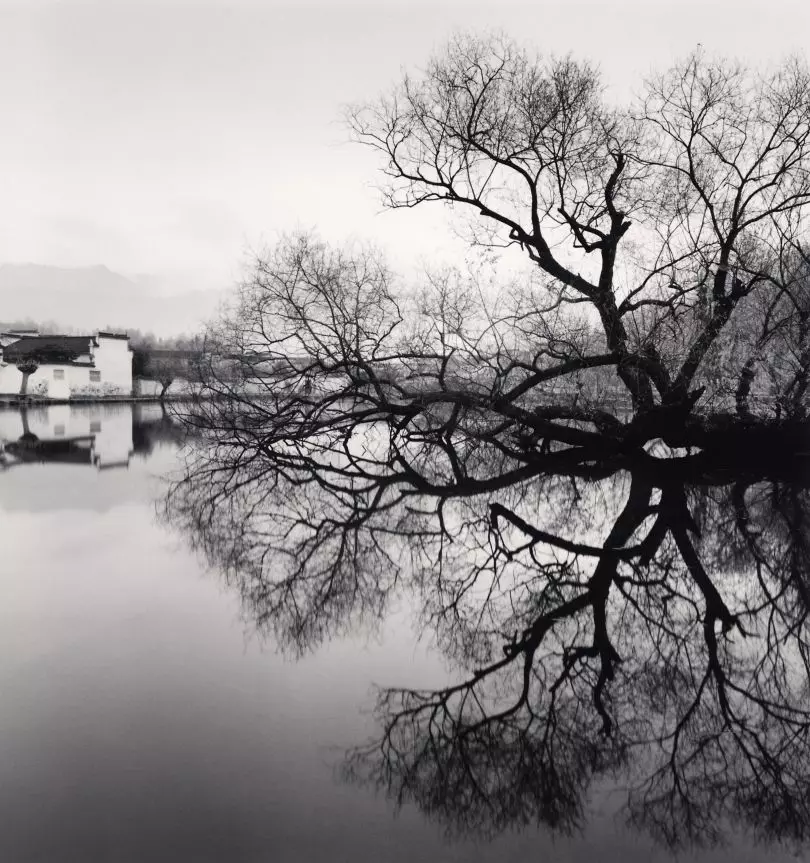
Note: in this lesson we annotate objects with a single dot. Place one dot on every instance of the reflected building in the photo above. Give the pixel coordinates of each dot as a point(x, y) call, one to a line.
point(83, 456)
point(99, 436)
point(102, 436)
point(152, 424)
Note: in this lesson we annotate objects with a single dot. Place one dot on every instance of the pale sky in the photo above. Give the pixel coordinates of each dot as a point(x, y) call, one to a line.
point(170, 137)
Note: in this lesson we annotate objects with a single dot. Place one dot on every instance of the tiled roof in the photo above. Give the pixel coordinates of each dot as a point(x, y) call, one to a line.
point(31, 346)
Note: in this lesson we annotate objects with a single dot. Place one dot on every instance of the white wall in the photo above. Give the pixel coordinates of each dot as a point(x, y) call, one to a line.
point(113, 358)
point(41, 383)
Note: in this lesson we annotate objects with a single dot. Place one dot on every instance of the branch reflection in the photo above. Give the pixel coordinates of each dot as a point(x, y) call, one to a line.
point(639, 622)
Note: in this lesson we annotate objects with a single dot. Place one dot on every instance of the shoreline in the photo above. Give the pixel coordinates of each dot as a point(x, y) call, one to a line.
point(17, 402)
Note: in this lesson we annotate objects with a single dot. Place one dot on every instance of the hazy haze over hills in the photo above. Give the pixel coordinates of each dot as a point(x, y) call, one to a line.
point(89, 298)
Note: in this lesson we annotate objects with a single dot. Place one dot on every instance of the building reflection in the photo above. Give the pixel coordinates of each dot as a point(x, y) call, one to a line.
point(97, 435)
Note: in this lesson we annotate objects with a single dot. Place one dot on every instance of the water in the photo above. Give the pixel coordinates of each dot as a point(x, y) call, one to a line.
point(141, 719)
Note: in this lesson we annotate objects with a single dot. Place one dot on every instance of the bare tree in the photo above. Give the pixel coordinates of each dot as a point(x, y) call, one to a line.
point(165, 366)
point(664, 245)
point(662, 217)
point(165, 370)
point(605, 533)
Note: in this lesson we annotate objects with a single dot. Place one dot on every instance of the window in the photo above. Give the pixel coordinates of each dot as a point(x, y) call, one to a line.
point(58, 374)
point(59, 430)
point(95, 426)
point(95, 377)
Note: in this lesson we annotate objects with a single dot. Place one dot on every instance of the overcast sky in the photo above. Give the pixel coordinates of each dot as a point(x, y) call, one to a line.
point(171, 136)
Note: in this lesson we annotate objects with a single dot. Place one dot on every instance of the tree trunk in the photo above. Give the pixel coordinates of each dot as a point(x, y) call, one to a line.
point(744, 387)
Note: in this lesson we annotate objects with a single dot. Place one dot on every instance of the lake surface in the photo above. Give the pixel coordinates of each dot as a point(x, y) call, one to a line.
point(142, 719)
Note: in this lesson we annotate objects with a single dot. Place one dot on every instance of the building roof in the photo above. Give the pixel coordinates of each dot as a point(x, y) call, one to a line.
point(103, 334)
point(31, 346)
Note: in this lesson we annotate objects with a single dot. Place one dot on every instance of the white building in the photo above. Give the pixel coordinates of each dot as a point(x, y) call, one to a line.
point(66, 366)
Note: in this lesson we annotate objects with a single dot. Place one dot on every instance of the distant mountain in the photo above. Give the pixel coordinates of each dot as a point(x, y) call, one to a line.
point(90, 298)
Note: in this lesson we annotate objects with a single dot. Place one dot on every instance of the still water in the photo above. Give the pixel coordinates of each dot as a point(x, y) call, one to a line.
point(141, 719)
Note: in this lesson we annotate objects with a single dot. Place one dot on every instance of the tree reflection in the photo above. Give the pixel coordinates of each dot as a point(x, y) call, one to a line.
point(639, 620)
point(155, 429)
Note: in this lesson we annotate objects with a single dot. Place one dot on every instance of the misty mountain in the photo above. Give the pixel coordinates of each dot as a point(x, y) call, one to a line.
point(90, 298)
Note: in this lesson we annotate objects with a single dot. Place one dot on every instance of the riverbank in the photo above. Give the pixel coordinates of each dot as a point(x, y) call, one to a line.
point(29, 402)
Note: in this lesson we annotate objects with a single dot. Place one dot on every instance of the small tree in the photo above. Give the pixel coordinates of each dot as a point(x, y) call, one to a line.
point(27, 367)
point(165, 370)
